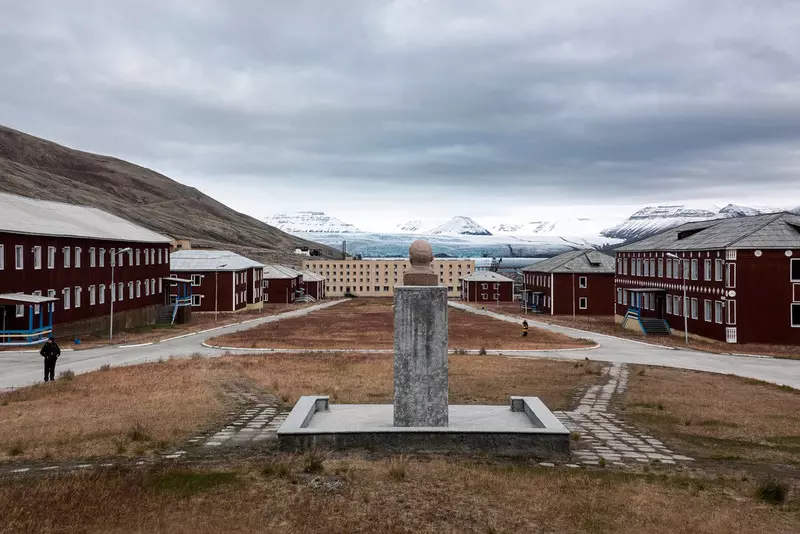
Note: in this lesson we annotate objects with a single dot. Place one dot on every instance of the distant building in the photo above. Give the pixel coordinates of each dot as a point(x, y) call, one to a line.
point(742, 279)
point(313, 284)
point(221, 280)
point(487, 286)
point(579, 282)
point(282, 284)
point(377, 278)
point(302, 251)
point(181, 244)
point(55, 261)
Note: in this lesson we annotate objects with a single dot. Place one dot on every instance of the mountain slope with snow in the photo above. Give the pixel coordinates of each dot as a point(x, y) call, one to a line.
point(580, 226)
point(414, 227)
point(310, 222)
point(654, 219)
point(460, 225)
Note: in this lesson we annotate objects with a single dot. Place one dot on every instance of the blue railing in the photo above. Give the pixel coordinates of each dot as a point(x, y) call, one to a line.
point(25, 337)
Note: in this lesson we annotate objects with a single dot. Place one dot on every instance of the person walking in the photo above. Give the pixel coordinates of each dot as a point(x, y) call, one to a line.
point(50, 352)
point(525, 329)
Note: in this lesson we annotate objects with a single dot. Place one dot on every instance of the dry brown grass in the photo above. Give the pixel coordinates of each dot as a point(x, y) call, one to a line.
point(368, 324)
point(717, 416)
point(434, 495)
point(101, 413)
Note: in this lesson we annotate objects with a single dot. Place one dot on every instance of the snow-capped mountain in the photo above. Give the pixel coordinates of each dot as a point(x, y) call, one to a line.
point(459, 225)
point(735, 210)
point(310, 222)
point(563, 227)
point(654, 219)
point(411, 227)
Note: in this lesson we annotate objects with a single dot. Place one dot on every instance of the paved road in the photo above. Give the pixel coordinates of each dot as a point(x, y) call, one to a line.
point(24, 368)
point(614, 349)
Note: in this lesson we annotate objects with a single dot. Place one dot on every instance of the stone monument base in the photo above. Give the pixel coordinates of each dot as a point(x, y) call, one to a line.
point(526, 428)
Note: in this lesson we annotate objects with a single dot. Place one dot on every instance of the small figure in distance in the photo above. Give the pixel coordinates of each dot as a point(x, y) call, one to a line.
point(525, 329)
point(50, 352)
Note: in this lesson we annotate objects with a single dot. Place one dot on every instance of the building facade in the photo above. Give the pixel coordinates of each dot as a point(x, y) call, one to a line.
point(313, 285)
point(487, 286)
point(221, 280)
point(579, 282)
point(66, 252)
point(282, 285)
point(377, 278)
point(741, 279)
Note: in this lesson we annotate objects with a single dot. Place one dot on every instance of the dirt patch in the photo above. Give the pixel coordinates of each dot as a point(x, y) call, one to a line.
point(352, 494)
point(716, 416)
point(369, 323)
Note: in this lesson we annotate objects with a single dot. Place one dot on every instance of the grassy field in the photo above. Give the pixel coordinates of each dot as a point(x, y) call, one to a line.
point(368, 324)
point(606, 325)
point(347, 493)
point(146, 408)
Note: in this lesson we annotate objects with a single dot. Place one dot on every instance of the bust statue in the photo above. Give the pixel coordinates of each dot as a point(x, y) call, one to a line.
point(420, 273)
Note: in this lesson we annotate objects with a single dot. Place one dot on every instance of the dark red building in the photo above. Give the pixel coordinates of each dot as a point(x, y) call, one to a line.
point(221, 280)
point(487, 286)
point(66, 252)
point(742, 278)
point(579, 282)
point(282, 284)
point(313, 285)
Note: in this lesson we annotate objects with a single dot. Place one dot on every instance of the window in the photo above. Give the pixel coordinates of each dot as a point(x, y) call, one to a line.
point(130, 256)
point(92, 257)
point(196, 300)
point(77, 297)
point(147, 256)
point(2, 257)
point(138, 257)
point(160, 286)
point(37, 257)
point(676, 305)
point(130, 290)
point(661, 267)
point(730, 278)
point(19, 256)
point(796, 315)
point(718, 312)
point(153, 286)
point(707, 270)
point(51, 257)
point(496, 296)
point(37, 308)
point(19, 309)
point(138, 289)
point(78, 258)
point(669, 267)
point(707, 311)
point(147, 288)
point(619, 265)
point(484, 296)
point(583, 303)
point(65, 298)
point(694, 269)
point(484, 286)
point(92, 296)
point(196, 279)
point(795, 269)
point(669, 304)
point(625, 266)
point(113, 292)
point(582, 282)
point(619, 296)
point(730, 254)
point(718, 269)
point(159, 256)
point(67, 252)
point(51, 305)
point(686, 307)
point(121, 291)
point(652, 266)
point(646, 268)
point(731, 308)
point(102, 294)
point(102, 257)
point(624, 297)
point(694, 308)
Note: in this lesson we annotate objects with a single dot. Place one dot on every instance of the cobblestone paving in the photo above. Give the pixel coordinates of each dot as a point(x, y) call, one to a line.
point(603, 435)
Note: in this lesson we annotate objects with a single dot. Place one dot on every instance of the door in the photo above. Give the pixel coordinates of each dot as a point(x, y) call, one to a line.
point(660, 306)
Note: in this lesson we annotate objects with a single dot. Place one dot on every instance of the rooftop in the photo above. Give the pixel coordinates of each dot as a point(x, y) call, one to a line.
point(774, 230)
point(31, 216)
point(575, 261)
point(486, 276)
point(209, 260)
point(273, 271)
point(309, 276)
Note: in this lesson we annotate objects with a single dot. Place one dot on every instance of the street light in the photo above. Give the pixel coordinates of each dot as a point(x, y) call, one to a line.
point(683, 311)
point(216, 293)
point(114, 291)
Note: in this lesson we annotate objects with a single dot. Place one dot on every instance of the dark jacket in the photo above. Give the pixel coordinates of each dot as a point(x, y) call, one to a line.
point(50, 350)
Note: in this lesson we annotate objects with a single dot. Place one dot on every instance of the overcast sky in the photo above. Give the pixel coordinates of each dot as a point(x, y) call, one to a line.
point(381, 111)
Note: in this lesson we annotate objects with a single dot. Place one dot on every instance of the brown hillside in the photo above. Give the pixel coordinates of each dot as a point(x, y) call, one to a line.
point(34, 167)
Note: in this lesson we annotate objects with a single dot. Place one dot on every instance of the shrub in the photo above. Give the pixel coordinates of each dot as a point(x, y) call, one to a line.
point(188, 483)
point(313, 462)
point(772, 491)
point(575, 436)
point(602, 462)
point(277, 467)
point(397, 468)
point(641, 372)
point(16, 449)
point(105, 367)
point(67, 375)
point(137, 432)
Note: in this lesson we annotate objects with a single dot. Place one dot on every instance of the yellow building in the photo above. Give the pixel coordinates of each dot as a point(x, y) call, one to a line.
point(377, 278)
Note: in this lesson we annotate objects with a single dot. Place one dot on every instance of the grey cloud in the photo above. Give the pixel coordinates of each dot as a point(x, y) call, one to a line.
point(564, 100)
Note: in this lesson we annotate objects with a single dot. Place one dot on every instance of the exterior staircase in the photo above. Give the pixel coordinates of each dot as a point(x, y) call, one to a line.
point(305, 298)
point(164, 314)
point(654, 327)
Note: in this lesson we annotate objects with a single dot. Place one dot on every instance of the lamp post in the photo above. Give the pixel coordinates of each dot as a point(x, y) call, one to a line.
point(683, 311)
point(114, 295)
point(216, 293)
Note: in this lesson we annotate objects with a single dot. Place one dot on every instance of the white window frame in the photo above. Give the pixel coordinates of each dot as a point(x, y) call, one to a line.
point(130, 257)
point(92, 257)
point(791, 314)
point(669, 267)
point(152, 286)
point(719, 312)
point(695, 268)
point(19, 257)
point(67, 253)
point(583, 282)
point(102, 294)
point(708, 310)
point(695, 308)
point(78, 252)
point(2, 257)
point(78, 292)
point(196, 280)
point(138, 257)
point(102, 257)
point(676, 305)
point(730, 275)
point(625, 266)
point(92, 296)
point(147, 256)
point(37, 257)
point(661, 267)
point(708, 266)
point(19, 309)
point(669, 304)
point(65, 293)
point(792, 263)
point(730, 313)
point(138, 289)
point(130, 290)
point(197, 300)
point(37, 308)
point(120, 292)
point(719, 267)
point(619, 295)
point(159, 256)
point(583, 303)
point(147, 288)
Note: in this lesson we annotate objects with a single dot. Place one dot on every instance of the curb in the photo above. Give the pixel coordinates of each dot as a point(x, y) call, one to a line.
point(493, 352)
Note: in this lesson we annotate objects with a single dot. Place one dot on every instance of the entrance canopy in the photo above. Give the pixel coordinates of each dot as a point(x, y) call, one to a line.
point(173, 279)
point(18, 299)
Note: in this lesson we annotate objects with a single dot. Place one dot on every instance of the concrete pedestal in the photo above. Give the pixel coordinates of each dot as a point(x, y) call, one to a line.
point(420, 356)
